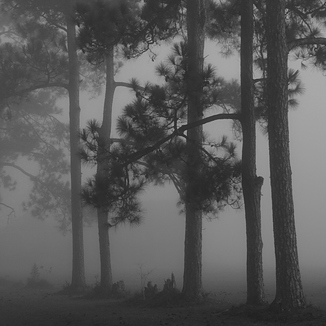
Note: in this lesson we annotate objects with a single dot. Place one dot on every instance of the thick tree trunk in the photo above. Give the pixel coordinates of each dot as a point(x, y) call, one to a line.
point(251, 184)
point(78, 268)
point(104, 148)
point(192, 279)
point(105, 255)
point(289, 293)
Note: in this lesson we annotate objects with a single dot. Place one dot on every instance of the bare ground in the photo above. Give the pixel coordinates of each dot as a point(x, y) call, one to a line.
point(22, 306)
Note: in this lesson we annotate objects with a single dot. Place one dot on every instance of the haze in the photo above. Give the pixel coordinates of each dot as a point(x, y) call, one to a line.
point(156, 246)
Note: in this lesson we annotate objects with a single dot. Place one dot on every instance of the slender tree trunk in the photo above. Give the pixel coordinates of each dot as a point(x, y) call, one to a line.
point(251, 184)
point(289, 292)
point(192, 279)
point(104, 148)
point(78, 268)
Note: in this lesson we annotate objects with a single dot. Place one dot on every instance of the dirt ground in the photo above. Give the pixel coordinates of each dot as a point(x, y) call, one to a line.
point(22, 306)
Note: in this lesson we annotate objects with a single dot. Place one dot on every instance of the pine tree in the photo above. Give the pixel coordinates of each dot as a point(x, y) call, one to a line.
point(103, 27)
point(57, 17)
point(251, 183)
point(289, 293)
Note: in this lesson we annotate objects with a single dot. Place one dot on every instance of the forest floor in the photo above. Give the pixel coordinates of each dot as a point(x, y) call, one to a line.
point(20, 305)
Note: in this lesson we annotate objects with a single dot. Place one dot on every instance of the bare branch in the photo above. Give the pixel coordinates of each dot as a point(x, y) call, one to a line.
point(12, 211)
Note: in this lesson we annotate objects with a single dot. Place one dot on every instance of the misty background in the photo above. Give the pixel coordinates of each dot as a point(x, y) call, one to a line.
point(156, 246)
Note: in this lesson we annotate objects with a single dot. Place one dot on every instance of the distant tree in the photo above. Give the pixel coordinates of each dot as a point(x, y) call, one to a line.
point(40, 19)
point(31, 133)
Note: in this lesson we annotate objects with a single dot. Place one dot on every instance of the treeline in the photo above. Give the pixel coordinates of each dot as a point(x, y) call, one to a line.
point(51, 49)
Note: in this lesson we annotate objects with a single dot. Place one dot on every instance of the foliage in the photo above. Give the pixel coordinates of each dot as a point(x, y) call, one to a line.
point(151, 125)
point(32, 136)
point(131, 25)
point(223, 25)
point(118, 291)
point(117, 191)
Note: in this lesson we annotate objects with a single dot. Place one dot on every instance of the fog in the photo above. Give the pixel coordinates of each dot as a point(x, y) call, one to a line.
point(156, 245)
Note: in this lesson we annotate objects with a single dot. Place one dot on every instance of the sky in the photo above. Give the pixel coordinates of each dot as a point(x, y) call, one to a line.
point(157, 245)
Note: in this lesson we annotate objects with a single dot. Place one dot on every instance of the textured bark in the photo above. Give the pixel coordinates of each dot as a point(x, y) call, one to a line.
point(289, 292)
point(78, 268)
point(251, 184)
point(105, 255)
point(104, 147)
point(192, 279)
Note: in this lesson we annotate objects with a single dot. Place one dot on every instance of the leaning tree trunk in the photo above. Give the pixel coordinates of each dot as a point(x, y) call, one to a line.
point(104, 148)
point(78, 268)
point(289, 292)
point(251, 183)
point(192, 278)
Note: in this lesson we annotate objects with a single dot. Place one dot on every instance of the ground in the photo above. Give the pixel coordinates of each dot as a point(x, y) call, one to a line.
point(20, 305)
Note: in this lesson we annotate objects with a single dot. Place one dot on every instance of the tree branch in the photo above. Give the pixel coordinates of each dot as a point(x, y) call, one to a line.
point(306, 41)
point(12, 211)
point(222, 116)
point(40, 86)
point(128, 85)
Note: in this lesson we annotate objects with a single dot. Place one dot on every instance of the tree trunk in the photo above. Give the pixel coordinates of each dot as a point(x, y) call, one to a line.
point(289, 292)
point(105, 256)
point(192, 279)
point(104, 148)
point(78, 268)
point(251, 184)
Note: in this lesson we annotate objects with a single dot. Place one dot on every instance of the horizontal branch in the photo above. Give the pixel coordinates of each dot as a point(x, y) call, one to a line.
point(222, 116)
point(306, 41)
point(128, 85)
point(41, 86)
point(32, 177)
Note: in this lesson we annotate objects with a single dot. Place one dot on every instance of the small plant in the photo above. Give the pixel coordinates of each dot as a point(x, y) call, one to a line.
point(169, 296)
point(143, 278)
point(35, 280)
point(118, 289)
point(170, 284)
point(150, 290)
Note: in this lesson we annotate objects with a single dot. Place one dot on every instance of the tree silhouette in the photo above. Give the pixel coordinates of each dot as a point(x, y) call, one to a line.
point(109, 31)
point(154, 125)
point(52, 22)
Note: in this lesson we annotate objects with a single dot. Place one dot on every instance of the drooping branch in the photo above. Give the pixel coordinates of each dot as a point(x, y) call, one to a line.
point(31, 176)
point(12, 211)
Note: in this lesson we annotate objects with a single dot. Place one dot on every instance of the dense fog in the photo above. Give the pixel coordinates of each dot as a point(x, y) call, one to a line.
point(156, 246)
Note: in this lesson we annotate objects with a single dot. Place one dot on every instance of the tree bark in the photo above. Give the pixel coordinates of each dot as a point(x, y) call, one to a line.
point(289, 292)
point(78, 268)
point(103, 149)
point(251, 184)
point(196, 18)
